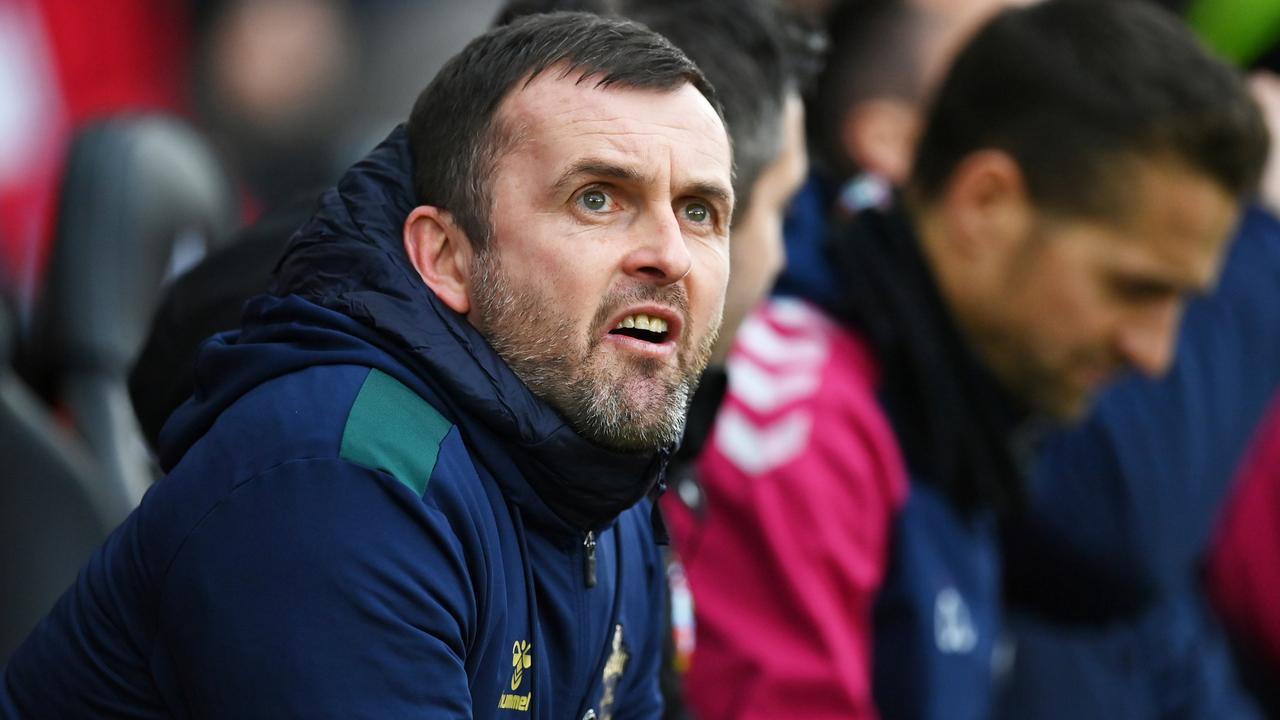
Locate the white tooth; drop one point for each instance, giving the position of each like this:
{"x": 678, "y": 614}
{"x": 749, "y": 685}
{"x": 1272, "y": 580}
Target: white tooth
{"x": 658, "y": 325}
{"x": 629, "y": 321}
{"x": 642, "y": 322}
{"x": 619, "y": 326}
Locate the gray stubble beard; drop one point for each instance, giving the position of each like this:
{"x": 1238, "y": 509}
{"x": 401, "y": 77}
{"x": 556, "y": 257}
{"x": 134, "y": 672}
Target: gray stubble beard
{"x": 542, "y": 355}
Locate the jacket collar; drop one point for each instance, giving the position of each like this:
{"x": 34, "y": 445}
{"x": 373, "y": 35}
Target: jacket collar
{"x": 349, "y": 258}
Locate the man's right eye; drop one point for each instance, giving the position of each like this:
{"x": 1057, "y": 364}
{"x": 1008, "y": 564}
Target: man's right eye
{"x": 595, "y": 200}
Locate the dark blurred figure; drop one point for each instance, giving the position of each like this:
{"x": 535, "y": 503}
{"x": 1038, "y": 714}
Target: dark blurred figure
{"x": 857, "y": 472}
{"x": 294, "y": 91}
{"x": 271, "y": 80}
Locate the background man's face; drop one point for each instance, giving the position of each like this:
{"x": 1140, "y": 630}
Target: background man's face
{"x": 757, "y": 253}
{"x": 1083, "y": 299}
{"x": 605, "y": 279}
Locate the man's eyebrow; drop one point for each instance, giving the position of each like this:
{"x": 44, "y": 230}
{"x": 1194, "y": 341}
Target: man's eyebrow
{"x": 593, "y": 167}
{"x": 713, "y": 191}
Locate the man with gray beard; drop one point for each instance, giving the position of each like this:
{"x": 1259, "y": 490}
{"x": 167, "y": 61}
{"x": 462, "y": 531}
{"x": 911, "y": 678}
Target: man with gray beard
{"x": 577, "y": 380}
{"x": 413, "y": 484}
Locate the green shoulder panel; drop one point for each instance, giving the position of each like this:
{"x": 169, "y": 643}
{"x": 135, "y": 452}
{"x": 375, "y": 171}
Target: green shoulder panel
{"x": 390, "y": 428}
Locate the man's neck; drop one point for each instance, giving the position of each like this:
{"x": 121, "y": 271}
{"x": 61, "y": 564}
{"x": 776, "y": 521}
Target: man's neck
{"x": 957, "y": 283}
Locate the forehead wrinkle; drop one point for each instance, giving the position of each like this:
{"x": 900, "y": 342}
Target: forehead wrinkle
{"x": 601, "y": 112}
{"x": 558, "y": 112}
{"x": 624, "y": 130}
{"x": 625, "y": 156}
{"x": 629, "y": 140}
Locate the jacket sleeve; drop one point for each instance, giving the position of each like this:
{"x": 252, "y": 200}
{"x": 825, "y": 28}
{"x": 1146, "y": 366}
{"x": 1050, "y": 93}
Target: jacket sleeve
{"x": 791, "y": 543}
{"x": 320, "y": 589}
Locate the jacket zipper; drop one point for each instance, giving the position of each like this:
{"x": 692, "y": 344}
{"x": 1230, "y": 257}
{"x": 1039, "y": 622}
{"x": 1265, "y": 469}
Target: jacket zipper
{"x": 586, "y": 711}
{"x": 589, "y": 568}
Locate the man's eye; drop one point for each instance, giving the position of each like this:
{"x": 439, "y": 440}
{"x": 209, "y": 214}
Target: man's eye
{"x": 697, "y": 212}
{"x": 1140, "y": 290}
{"x": 594, "y": 200}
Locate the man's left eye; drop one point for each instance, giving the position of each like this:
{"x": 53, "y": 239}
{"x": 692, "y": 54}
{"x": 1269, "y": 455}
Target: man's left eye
{"x": 697, "y": 212}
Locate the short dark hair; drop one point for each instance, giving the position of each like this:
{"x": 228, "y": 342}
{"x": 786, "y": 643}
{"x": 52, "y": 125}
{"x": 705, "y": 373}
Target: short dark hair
{"x": 1071, "y": 87}
{"x": 455, "y": 134}
{"x": 753, "y": 51}
{"x": 875, "y": 52}
{"x": 750, "y": 51}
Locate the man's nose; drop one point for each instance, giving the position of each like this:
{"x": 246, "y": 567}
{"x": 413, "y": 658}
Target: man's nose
{"x": 1150, "y": 340}
{"x": 659, "y": 253}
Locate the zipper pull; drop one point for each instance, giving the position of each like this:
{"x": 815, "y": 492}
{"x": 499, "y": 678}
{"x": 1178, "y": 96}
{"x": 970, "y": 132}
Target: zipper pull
{"x": 589, "y": 570}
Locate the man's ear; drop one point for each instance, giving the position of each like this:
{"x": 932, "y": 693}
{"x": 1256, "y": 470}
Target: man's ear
{"x": 987, "y": 203}
{"x": 441, "y": 253}
{"x": 879, "y": 135}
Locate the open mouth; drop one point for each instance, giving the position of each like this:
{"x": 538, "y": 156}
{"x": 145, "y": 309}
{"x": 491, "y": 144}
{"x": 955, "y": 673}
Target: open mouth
{"x": 642, "y": 327}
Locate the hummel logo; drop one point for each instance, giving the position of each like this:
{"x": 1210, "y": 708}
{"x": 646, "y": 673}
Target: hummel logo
{"x": 521, "y": 660}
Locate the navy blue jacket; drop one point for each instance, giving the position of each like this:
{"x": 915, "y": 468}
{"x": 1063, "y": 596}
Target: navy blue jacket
{"x": 1108, "y": 609}
{"x": 938, "y": 618}
{"x": 353, "y": 524}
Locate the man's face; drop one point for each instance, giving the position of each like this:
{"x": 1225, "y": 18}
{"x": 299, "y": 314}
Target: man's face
{"x": 604, "y": 280}
{"x": 757, "y": 254}
{"x": 1082, "y": 300}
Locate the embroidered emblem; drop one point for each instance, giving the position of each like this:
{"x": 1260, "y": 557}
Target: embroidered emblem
{"x": 521, "y": 660}
{"x": 613, "y": 669}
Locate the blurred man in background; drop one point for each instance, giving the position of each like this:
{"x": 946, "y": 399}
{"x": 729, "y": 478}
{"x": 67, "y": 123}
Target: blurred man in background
{"x": 1104, "y": 562}
{"x": 1126, "y": 501}
{"x": 1049, "y": 236}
